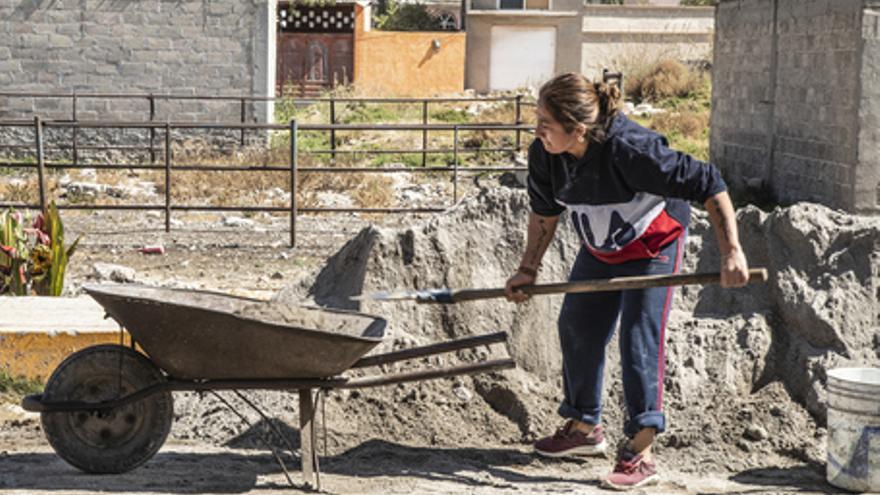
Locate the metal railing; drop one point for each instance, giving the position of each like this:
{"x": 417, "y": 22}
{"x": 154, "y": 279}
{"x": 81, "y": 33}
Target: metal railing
{"x": 151, "y": 113}
{"x": 292, "y": 168}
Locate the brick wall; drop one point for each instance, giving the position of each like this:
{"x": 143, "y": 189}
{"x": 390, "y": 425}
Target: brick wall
{"x": 183, "y": 47}
{"x": 792, "y": 109}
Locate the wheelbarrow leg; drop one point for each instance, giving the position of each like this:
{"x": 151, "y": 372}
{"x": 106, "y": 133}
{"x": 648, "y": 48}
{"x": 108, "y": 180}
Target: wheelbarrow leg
{"x": 307, "y": 438}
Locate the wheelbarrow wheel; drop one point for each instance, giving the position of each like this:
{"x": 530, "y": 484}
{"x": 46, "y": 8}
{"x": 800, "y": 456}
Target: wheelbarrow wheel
{"x": 107, "y": 441}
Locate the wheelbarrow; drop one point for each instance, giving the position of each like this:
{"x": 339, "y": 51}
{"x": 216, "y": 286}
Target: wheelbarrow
{"x": 109, "y": 408}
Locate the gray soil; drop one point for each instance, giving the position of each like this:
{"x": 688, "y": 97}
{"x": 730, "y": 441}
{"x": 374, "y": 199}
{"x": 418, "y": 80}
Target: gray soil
{"x": 745, "y": 375}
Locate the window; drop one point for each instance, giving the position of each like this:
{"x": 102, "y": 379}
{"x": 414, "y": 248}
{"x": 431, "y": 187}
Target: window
{"x": 523, "y": 4}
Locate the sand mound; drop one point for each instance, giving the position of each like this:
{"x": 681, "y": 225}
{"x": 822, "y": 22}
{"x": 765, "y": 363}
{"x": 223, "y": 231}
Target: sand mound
{"x": 745, "y": 369}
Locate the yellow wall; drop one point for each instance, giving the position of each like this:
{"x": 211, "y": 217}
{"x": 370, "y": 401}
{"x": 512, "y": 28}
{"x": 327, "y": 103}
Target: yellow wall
{"x": 36, "y": 354}
{"x": 391, "y": 63}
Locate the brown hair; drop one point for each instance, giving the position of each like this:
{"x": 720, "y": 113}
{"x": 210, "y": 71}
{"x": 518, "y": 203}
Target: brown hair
{"x": 572, "y": 99}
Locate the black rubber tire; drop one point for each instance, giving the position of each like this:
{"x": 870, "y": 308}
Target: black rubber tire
{"x": 117, "y": 440}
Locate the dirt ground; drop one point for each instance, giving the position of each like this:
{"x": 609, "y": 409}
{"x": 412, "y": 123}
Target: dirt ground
{"x": 206, "y": 455}
{"x": 375, "y": 466}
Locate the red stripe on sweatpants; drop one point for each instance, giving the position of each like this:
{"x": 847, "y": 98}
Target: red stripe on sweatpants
{"x": 661, "y": 359}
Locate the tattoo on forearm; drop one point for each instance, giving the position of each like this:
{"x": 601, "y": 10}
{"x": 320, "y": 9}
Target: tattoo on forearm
{"x": 539, "y": 242}
{"x": 534, "y": 253}
{"x": 723, "y": 224}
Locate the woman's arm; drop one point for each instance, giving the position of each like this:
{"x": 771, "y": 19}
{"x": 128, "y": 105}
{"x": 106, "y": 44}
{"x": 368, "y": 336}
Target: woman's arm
{"x": 538, "y": 237}
{"x": 734, "y": 268}
{"x": 540, "y": 233}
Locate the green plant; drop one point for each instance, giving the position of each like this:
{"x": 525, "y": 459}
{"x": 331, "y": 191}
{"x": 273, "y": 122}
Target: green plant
{"x": 451, "y": 116}
{"x": 49, "y": 280}
{"x": 405, "y": 159}
{"x": 359, "y": 112}
{"x": 14, "y": 254}
{"x": 18, "y": 385}
{"x": 40, "y": 269}
{"x": 398, "y": 16}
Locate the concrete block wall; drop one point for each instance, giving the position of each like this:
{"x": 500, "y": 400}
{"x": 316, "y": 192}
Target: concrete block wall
{"x": 742, "y": 95}
{"x": 795, "y": 103}
{"x": 146, "y": 46}
{"x": 867, "y": 177}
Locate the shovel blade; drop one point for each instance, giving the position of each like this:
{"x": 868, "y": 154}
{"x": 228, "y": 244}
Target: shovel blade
{"x": 422, "y": 296}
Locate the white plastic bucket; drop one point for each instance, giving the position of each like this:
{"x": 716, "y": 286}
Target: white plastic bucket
{"x": 854, "y": 429}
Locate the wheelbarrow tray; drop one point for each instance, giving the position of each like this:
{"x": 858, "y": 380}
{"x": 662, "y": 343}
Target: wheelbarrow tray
{"x": 198, "y": 335}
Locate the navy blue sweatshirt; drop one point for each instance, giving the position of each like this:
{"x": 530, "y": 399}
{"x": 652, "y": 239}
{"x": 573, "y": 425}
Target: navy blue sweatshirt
{"x": 628, "y": 196}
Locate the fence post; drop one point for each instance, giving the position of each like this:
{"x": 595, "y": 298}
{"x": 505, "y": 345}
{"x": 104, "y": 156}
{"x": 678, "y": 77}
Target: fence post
{"x": 75, "y": 131}
{"x": 293, "y": 183}
{"x": 332, "y": 131}
{"x": 167, "y": 176}
{"x": 41, "y": 172}
{"x": 152, "y": 129}
{"x": 455, "y": 164}
{"x": 424, "y": 133}
{"x": 243, "y": 116}
{"x": 518, "y": 121}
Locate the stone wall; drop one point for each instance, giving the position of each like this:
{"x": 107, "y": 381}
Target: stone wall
{"x": 184, "y": 47}
{"x": 795, "y": 99}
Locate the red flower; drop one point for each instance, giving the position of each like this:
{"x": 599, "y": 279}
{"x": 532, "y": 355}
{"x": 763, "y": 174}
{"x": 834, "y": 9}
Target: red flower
{"x": 39, "y": 230}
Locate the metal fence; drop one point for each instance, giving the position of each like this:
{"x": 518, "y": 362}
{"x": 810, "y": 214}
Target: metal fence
{"x": 151, "y": 101}
{"x": 292, "y": 168}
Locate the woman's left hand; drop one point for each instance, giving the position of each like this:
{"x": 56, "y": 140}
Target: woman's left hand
{"x": 734, "y": 269}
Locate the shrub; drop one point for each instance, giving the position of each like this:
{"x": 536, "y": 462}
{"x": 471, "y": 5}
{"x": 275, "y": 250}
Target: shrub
{"x": 664, "y": 79}
{"x": 398, "y": 16}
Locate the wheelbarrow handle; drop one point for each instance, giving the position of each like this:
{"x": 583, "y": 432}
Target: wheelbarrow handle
{"x": 617, "y": 283}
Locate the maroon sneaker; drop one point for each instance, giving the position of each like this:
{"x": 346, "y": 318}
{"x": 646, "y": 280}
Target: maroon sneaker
{"x": 631, "y": 471}
{"x": 568, "y": 440}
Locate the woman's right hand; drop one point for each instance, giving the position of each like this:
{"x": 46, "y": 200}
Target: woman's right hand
{"x": 518, "y": 279}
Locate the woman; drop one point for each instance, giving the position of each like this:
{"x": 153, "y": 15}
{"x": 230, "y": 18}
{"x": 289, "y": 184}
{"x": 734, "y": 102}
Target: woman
{"x": 627, "y": 194}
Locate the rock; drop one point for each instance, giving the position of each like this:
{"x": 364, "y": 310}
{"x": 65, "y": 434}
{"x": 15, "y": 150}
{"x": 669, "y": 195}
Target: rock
{"x": 237, "y": 222}
{"x": 277, "y": 276}
{"x": 114, "y": 273}
{"x": 462, "y": 393}
{"x": 755, "y": 433}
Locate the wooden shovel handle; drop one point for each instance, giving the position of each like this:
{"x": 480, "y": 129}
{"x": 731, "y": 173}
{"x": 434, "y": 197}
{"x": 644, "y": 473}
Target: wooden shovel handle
{"x": 617, "y": 283}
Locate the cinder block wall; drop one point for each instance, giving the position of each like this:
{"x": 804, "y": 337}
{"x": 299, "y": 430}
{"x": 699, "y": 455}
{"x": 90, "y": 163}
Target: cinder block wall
{"x": 795, "y": 99}
{"x": 126, "y": 46}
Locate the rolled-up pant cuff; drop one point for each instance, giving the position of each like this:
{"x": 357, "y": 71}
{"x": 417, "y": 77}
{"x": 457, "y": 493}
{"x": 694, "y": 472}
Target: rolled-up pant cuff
{"x": 650, "y": 419}
{"x": 569, "y": 412}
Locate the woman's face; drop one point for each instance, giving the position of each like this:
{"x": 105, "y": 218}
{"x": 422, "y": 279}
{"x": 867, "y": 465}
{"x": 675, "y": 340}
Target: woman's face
{"x": 556, "y": 140}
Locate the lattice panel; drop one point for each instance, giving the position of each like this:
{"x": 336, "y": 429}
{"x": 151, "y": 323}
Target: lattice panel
{"x": 316, "y": 19}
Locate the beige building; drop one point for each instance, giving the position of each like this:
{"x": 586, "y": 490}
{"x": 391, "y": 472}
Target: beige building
{"x": 521, "y": 43}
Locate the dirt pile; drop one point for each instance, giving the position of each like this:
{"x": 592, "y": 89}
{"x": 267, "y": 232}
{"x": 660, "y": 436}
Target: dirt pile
{"x": 745, "y": 368}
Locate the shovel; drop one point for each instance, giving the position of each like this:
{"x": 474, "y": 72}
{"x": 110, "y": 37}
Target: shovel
{"x": 450, "y": 296}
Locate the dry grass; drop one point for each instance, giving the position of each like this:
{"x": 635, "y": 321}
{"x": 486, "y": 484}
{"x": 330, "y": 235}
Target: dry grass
{"x": 664, "y": 79}
{"x": 26, "y": 189}
{"x": 688, "y": 123}
{"x": 230, "y": 188}
{"x": 18, "y": 192}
